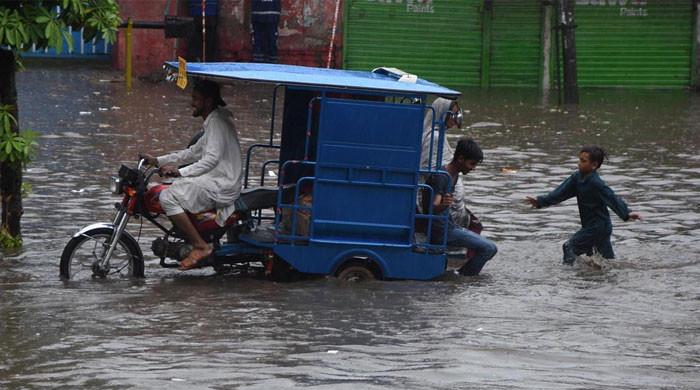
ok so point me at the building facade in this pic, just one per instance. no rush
(305, 33)
(460, 43)
(494, 43)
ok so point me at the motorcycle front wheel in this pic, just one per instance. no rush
(83, 251)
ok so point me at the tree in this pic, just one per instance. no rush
(43, 23)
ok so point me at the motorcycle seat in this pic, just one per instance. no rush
(206, 221)
(253, 199)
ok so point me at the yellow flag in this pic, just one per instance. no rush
(182, 73)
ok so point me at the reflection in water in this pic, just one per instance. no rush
(528, 322)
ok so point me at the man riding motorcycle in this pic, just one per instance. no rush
(213, 178)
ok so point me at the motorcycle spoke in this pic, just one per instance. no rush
(83, 267)
(118, 269)
(93, 249)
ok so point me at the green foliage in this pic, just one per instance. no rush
(8, 241)
(19, 65)
(15, 147)
(26, 189)
(44, 22)
(7, 120)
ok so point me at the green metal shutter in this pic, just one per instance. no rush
(439, 40)
(516, 43)
(638, 44)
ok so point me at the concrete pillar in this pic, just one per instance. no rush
(696, 49)
(569, 52)
(546, 45)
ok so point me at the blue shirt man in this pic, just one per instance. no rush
(211, 7)
(264, 18)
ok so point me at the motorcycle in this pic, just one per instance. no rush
(108, 249)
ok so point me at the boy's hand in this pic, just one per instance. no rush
(531, 201)
(635, 217)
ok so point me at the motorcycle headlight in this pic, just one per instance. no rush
(115, 185)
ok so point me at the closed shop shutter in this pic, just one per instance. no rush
(634, 43)
(516, 43)
(439, 40)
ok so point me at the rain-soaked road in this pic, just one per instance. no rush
(527, 322)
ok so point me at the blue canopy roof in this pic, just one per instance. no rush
(314, 77)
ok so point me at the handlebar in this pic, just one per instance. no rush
(143, 159)
(142, 162)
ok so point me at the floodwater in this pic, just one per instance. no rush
(527, 322)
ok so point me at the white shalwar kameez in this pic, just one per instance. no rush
(213, 180)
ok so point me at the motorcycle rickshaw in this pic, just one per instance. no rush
(345, 200)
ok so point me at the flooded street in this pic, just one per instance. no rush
(527, 322)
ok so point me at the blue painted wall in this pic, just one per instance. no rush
(93, 48)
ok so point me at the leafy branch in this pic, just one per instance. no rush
(15, 147)
(44, 23)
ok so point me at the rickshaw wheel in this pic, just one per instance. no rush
(356, 273)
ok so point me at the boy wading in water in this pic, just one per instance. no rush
(593, 197)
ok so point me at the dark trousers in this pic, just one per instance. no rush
(194, 52)
(265, 41)
(586, 240)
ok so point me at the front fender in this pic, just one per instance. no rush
(98, 225)
(126, 236)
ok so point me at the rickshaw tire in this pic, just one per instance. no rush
(126, 241)
(355, 272)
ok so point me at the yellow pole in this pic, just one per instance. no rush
(127, 66)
